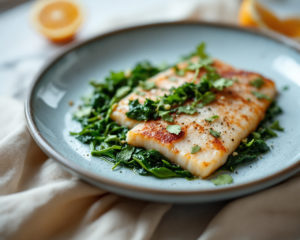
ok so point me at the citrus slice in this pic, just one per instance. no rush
(58, 20)
(253, 14)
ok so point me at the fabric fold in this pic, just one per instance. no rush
(40, 200)
(269, 215)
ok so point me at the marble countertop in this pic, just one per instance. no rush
(24, 51)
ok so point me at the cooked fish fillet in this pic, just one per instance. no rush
(239, 114)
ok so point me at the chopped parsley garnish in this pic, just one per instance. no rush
(195, 149)
(147, 85)
(140, 93)
(261, 95)
(151, 109)
(175, 129)
(222, 83)
(201, 93)
(276, 126)
(222, 179)
(206, 98)
(202, 63)
(166, 115)
(188, 109)
(258, 82)
(212, 118)
(200, 52)
(285, 88)
(179, 72)
(214, 133)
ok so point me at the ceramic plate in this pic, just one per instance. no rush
(66, 79)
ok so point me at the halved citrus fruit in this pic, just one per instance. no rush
(253, 14)
(58, 20)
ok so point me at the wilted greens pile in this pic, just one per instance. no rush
(107, 139)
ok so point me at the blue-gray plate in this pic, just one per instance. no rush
(66, 79)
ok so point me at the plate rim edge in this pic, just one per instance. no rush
(50, 151)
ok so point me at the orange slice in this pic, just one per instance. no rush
(58, 20)
(253, 14)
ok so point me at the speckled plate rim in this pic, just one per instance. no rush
(111, 184)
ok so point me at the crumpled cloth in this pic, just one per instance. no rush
(40, 200)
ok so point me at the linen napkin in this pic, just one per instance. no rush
(40, 200)
(269, 215)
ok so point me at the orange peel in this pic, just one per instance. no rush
(58, 20)
(254, 14)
